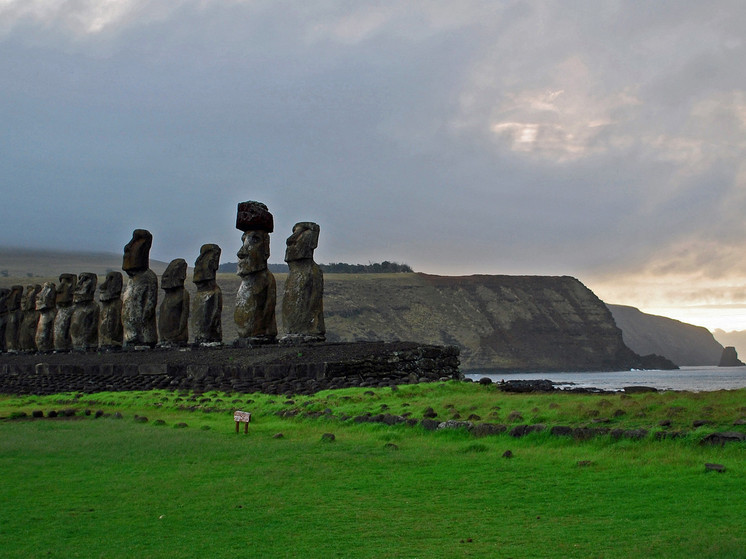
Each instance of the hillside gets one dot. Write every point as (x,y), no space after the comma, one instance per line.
(499,322)
(736,338)
(682,343)
(23,264)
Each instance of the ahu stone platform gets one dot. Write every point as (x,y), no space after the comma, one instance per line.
(276,369)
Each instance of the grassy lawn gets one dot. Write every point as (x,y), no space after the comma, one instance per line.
(106,487)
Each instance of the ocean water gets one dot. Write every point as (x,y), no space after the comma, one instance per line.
(694,379)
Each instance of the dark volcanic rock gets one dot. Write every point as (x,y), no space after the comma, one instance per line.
(730,358)
(724,437)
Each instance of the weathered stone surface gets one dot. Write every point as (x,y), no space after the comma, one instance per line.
(46,307)
(30,318)
(15,317)
(302,304)
(110,329)
(730,358)
(207,307)
(4,294)
(140,297)
(254,313)
(84,323)
(254,216)
(173,319)
(724,437)
(65,309)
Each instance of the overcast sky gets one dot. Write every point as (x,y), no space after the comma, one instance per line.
(599,139)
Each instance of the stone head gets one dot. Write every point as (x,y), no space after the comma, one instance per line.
(14,299)
(66,289)
(303,241)
(137,252)
(254,252)
(111,288)
(28,301)
(46,298)
(85,288)
(4,294)
(175,274)
(207,263)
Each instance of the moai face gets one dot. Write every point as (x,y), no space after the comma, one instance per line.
(175,274)
(4,295)
(28,301)
(86,287)
(207,263)
(303,241)
(137,252)
(14,299)
(254,252)
(257,223)
(111,288)
(66,289)
(46,298)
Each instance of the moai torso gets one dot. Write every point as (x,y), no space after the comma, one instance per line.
(140,297)
(207,306)
(29,320)
(46,307)
(110,330)
(257,295)
(4,294)
(173,318)
(15,317)
(303,301)
(84,323)
(65,309)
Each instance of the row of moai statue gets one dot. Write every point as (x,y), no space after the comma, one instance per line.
(66,317)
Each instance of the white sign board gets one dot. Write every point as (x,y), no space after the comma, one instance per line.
(242,416)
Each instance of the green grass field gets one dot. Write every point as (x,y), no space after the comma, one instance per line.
(104,487)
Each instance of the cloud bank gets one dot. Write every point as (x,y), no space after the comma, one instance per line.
(603,140)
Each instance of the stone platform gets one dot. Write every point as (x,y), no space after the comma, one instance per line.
(275,369)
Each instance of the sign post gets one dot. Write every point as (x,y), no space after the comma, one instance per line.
(242,417)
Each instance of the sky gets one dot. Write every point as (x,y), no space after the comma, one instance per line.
(600,139)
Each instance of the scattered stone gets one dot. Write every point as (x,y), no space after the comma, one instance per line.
(740,421)
(453,424)
(158,422)
(485,381)
(430,424)
(391,446)
(328,437)
(700,423)
(278,436)
(429,413)
(664,423)
(514,416)
(180,426)
(639,389)
(542,385)
(507,454)
(37,413)
(561,431)
(724,437)
(52,413)
(486,429)
(585,463)
(709,467)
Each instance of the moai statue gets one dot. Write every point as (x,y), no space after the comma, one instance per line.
(110,330)
(4,294)
(173,319)
(141,295)
(84,323)
(15,317)
(47,309)
(207,307)
(30,319)
(303,302)
(65,309)
(255,301)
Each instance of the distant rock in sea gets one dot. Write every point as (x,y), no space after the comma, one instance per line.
(730,358)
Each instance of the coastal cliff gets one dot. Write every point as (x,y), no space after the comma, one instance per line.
(538,323)
(683,343)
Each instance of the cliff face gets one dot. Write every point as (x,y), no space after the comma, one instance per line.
(682,343)
(499,322)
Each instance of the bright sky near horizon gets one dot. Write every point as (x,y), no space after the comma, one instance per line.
(601,139)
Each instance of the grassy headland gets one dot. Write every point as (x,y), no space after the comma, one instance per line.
(107,487)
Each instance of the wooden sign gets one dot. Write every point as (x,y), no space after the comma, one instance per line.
(242,417)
